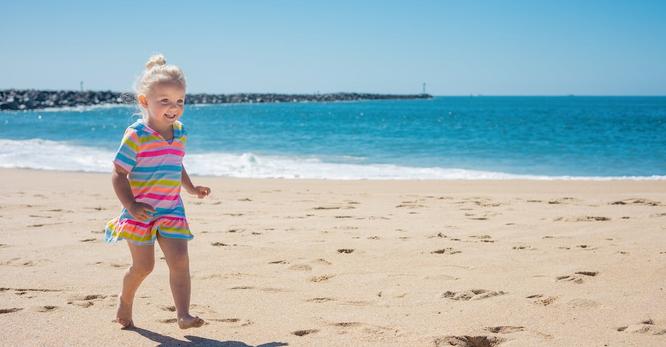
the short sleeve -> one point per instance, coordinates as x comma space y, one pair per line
127, 152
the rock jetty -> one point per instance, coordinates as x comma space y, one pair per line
29, 99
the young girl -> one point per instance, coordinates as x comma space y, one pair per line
147, 177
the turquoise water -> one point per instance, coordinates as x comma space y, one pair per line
446, 137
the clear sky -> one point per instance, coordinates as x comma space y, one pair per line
457, 47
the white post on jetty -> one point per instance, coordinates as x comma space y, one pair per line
81, 84
423, 91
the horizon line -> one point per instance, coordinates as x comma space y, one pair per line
359, 92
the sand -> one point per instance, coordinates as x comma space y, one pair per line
332, 263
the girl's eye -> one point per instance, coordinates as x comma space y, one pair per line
164, 101
180, 101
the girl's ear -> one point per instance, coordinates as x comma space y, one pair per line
143, 101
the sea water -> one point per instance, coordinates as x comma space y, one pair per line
473, 137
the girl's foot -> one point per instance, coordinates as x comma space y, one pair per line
190, 322
124, 314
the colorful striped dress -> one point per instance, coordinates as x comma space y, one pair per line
155, 168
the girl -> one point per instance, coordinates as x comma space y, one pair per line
147, 177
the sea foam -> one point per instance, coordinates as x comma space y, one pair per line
63, 156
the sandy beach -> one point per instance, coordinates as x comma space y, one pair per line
332, 263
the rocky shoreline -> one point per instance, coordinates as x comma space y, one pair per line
29, 99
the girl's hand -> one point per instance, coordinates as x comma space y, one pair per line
201, 192
141, 211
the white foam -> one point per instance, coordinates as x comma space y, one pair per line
55, 155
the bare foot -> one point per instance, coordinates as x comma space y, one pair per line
124, 314
190, 322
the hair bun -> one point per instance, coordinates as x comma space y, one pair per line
155, 60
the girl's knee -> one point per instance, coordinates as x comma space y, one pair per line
143, 269
179, 262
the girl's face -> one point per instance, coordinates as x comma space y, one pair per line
164, 103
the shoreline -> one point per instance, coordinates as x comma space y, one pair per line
497, 185
530, 178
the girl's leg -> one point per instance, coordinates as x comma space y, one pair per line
143, 261
177, 258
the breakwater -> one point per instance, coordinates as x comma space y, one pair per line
29, 99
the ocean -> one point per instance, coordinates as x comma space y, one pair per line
473, 137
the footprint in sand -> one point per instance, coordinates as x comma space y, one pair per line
321, 278
526, 247
447, 250
468, 341
482, 238
586, 247
347, 324
409, 204
18, 262
583, 219
577, 277
541, 300
321, 261
46, 308
320, 300
333, 207
304, 332
505, 329
636, 201
479, 218
10, 310
563, 200
23, 290
85, 301
645, 327
472, 294
345, 250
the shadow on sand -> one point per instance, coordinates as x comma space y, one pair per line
168, 341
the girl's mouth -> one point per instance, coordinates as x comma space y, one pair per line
170, 117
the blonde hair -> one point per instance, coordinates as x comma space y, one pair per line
157, 71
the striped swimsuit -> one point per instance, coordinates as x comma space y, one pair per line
155, 169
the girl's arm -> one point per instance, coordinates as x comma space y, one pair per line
187, 182
199, 191
124, 192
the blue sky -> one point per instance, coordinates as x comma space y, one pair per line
456, 47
